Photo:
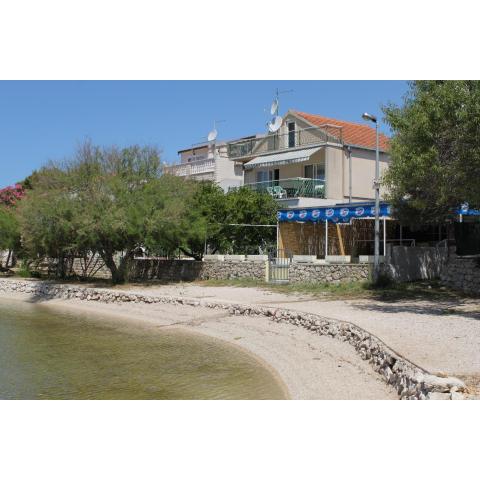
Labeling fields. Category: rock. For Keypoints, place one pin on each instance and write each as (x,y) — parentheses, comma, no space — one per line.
(456,396)
(438,384)
(438,396)
(387,373)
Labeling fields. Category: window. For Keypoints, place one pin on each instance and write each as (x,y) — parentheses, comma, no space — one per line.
(264,176)
(315,171)
(268,176)
(308,171)
(291,134)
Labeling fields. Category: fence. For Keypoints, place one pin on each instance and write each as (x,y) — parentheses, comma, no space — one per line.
(278,267)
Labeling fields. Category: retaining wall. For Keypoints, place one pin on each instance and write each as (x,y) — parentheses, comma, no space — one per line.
(407,264)
(462,273)
(411,381)
(314,273)
(189,270)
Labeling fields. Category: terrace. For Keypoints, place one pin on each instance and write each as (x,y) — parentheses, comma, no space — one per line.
(276,142)
(291,188)
(196,167)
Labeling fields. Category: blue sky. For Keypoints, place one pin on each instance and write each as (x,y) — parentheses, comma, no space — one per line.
(46,120)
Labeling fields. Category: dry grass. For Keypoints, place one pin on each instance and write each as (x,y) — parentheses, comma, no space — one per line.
(415,290)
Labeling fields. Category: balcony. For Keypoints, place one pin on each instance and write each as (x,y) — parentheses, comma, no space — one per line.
(274,142)
(291,188)
(196,167)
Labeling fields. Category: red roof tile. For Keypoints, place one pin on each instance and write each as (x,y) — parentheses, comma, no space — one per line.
(352,133)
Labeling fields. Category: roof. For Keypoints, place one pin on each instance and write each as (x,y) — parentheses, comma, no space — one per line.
(354,134)
(283,158)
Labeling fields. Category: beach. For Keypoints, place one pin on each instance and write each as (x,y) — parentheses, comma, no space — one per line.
(307,365)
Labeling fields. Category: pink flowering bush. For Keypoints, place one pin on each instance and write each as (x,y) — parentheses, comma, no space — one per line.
(9,196)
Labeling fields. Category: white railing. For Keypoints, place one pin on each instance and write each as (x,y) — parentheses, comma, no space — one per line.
(191,168)
(283,141)
(291,187)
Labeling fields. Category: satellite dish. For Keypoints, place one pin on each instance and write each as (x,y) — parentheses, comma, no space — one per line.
(274,107)
(275,124)
(212,135)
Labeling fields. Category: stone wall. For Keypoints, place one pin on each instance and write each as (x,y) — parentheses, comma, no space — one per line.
(189,270)
(406,264)
(411,381)
(310,272)
(228,270)
(462,273)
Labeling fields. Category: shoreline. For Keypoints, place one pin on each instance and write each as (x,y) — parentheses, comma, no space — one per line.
(305,365)
(304,348)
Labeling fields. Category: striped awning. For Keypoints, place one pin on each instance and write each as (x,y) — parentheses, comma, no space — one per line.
(283,158)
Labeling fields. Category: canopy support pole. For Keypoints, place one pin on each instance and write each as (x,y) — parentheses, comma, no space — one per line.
(340,240)
(278,236)
(384,236)
(326,238)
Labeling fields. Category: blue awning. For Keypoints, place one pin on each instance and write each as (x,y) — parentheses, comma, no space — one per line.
(335,214)
(467,211)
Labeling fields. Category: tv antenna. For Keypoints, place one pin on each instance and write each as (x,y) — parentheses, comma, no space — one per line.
(213,133)
(276,122)
(276,101)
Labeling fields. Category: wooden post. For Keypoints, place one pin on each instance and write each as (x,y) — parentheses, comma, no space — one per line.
(340,239)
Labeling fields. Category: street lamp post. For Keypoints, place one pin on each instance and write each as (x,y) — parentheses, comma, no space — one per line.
(376,184)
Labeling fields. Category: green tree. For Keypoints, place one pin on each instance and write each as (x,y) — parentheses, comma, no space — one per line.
(9,231)
(204,215)
(221,220)
(108,201)
(249,207)
(207,215)
(435,150)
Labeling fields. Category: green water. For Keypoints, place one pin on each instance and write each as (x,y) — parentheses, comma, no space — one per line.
(50,354)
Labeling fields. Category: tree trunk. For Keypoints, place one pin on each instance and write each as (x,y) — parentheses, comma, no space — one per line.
(119,273)
(107,257)
(195,256)
(125,265)
(60,270)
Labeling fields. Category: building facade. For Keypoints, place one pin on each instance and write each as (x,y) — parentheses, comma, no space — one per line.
(312,161)
(209,161)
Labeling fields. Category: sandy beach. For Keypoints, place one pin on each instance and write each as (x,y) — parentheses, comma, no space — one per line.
(308,366)
(441,336)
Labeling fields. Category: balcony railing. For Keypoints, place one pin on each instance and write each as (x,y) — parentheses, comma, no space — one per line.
(291,188)
(197,167)
(275,141)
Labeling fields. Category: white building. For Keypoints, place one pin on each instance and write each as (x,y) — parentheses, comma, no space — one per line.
(209,161)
